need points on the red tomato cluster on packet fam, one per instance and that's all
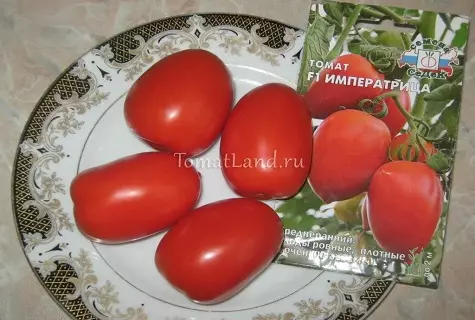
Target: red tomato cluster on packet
(148, 193)
(361, 151)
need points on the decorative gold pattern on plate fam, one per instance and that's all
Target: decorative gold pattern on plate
(39, 214)
(74, 284)
(271, 30)
(350, 302)
(42, 150)
(198, 33)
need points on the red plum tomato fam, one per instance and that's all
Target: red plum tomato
(213, 252)
(181, 103)
(266, 145)
(133, 197)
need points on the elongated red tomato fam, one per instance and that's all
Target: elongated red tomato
(348, 147)
(325, 97)
(181, 103)
(266, 145)
(133, 197)
(405, 203)
(216, 250)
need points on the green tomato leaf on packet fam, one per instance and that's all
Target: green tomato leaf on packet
(334, 11)
(316, 47)
(461, 36)
(433, 109)
(450, 119)
(439, 162)
(445, 92)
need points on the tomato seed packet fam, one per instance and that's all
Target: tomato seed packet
(384, 87)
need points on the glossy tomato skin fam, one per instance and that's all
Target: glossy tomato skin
(133, 197)
(266, 145)
(402, 142)
(348, 147)
(394, 119)
(405, 203)
(181, 103)
(324, 98)
(216, 250)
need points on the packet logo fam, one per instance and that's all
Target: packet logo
(435, 63)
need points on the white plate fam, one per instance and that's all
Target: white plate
(79, 123)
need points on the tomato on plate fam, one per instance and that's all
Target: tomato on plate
(348, 147)
(324, 98)
(266, 145)
(405, 202)
(133, 197)
(181, 103)
(216, 250)
(402, 144)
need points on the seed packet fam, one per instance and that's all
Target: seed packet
(384, 87)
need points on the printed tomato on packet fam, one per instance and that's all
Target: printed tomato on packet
(348, 147)
(403, 147)
(404, 206)
(324, 98)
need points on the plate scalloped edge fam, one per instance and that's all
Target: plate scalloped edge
(36, 189)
